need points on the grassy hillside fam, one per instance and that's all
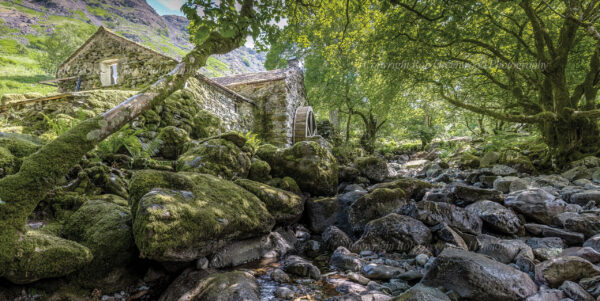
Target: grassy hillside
(27, 26)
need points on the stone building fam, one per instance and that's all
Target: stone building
(271, 103)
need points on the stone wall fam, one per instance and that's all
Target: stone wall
(137, 66)
(236, 113)
(277, 94)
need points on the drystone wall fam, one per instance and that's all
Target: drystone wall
(137, 66)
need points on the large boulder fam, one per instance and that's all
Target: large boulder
(393, 232)
(587, 223)
(204, 286)
(464, 195)
(194, 216)
(496, 216)
(477, 277)
(421, 292)
(433, 213)
(536, 204)
(219, 157)
(9, 164)
(41, 255)
(286, 207)
(322, 213)
(373, 168)
(171, 142)
(557, 270)
(313, 166)
(376, 204)
(105, 228)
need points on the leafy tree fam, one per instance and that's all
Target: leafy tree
(528, 62)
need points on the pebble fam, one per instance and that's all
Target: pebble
(421, 259)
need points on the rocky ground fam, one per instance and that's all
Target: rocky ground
(216, 216)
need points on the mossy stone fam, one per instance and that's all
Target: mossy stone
(218, 157)
(378, 203)
(172, 142)
(205, 125)
(285, 183)
(9, 164)
(105, 228)
(40, 255)
(373, 168)
(413, 188)
(19, 147)
(312, 166)
(286, 207)
(468, 160)
(259, 170)
(172, 224)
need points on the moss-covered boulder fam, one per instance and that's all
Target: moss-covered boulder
(373, 168)
(259, 170)
(468, 160)
(413, 188)
(489, 159)
(312, 166)
(105, 228)
(202, 286)
(205, 124)
(521, 164)
(218, 157)
(42, 255)
(285, 183)
(185, 216)
(380, 202)
(172, 142)
(9, 164)
(286, 207)
(19, 145)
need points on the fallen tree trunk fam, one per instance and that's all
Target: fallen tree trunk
(20, 193)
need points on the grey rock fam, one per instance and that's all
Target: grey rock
(280, 276)
(506, 251)
(586, 253)
(345, 260)
(381, 271)
(555, 271)
(496, 216)
(575, 291)
(299, 266)
(477, 277)
(464, 195)
(536, 204)
(433, 213)
(547, 295)
(587, 223)
(593, 242)
(502, 184)
(570, 238)
(582, 198)
(333, 238)
(284, 293)
(421, 292)
(391, 233)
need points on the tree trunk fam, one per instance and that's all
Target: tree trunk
(570, 139)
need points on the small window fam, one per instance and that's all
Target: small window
(109, 74)
(114, 74)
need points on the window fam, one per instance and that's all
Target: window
(114, 74)
(109, 74)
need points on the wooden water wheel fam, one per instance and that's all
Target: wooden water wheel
(304, 124)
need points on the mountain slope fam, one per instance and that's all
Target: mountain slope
(26, 24)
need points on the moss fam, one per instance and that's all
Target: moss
(8, 163)
(172, 142)
(105, 228)
(268, 153)
(374, 168)
(378, 203)
(63, 204)
(521, 164)
(285, 206)
(259, 171)
(19, 147)
(40, 256)
(468, 160)
(179, 225)
(285, 183)
(145, 180)
(312, 166)
(218, 157)
(21, 192)
(205, 124)
(414, 189)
